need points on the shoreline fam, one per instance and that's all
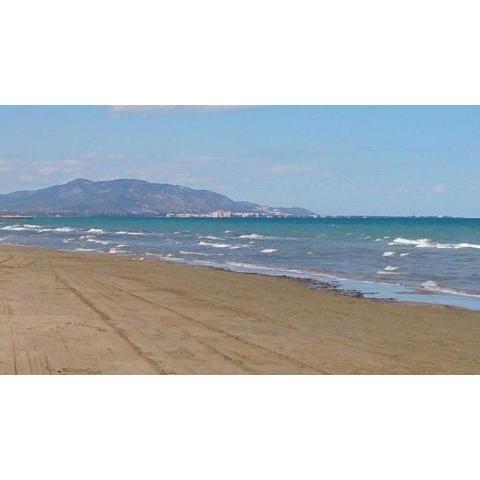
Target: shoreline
(71, 313)
(375, 272)
(315, 285)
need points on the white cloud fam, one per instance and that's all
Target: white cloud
(148, 110)
(47, 169)
(439, 189)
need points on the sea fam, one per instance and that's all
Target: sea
(429, 260)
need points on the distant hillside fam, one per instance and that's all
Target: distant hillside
(128, 197)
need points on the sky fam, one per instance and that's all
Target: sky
(334, 160)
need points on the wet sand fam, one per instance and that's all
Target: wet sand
(65, 313)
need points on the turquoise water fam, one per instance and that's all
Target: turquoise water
(434, 260)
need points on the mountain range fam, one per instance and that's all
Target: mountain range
(83, 197)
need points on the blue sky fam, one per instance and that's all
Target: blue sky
(334, 160)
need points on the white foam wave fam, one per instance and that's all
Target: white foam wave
(168, 258)
(467, 245)
(97, 231)
(284, 271)
(85, 250)
(432, 286)
(389, 268)
(123, 232)
(388, 254)
(252, 235)
(428, 243)
(15, 228)
(115, 250)
(36, 228)
(269, 250)
(214, 245)
(183, 252)
(408, 241)
(101, 242)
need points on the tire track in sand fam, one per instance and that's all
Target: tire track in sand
(156, 365)
(237, 338)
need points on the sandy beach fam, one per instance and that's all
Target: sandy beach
(65, 313)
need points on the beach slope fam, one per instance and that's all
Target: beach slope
(65, 313)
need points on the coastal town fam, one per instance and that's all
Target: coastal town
(267, 213)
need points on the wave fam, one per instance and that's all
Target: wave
(20, 228)
(280, 271)
(123, 232)
(215, 245)
(15, 228)
(269, 250)
(85, 250)
(57, 230)
(252, 236)
(388, 270)
(428, 243)
(115, 250)
(432, 286)
(388, 254)
(101, 242)
(210, 237)
(182, 252)
(169, 257)
(97, 231)
(408, 241)
(467, 245)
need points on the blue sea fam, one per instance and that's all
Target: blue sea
(432, 260)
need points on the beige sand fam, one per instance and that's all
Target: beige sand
(80, 313)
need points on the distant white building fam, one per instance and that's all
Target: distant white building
(221, 214)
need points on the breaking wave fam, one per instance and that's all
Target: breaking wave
(253, 236)
(432, 286)
(214, 245)
(428, 243)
